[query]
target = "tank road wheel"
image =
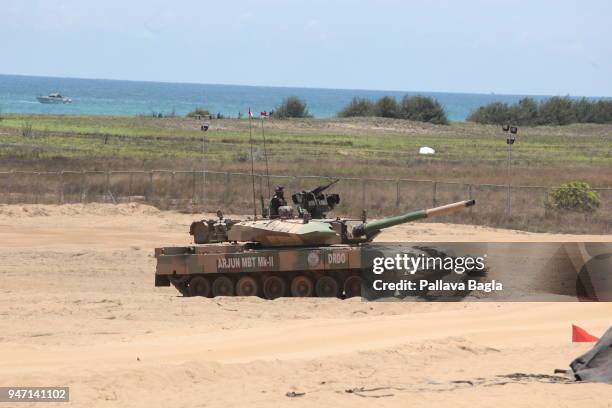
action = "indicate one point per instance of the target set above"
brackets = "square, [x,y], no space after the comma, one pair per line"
[352,286]
[199,286]
[274,287]
[301,286]
[247,286]
[223,286]
[327,287]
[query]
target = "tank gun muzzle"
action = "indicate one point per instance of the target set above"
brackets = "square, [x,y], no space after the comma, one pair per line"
[370,228]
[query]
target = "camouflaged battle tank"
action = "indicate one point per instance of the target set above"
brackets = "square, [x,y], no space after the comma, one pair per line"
[288,256]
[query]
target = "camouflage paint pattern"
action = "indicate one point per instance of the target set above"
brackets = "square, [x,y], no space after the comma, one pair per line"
[206,259]
[291,248]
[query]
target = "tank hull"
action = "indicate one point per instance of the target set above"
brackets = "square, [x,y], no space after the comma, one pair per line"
[229,269]
[179,266]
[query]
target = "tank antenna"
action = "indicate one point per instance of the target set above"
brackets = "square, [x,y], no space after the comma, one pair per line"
[263,135]
[252,164]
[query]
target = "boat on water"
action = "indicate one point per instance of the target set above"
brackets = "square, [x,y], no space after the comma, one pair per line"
[53,98]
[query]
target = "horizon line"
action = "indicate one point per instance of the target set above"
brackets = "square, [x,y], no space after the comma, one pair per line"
[305,87]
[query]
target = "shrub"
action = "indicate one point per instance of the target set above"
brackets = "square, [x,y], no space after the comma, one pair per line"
[292,107]
[423,109]
[525,113]
[26,129]
[557,111]
[387,107]
[494,113]
[553,111]
[603,111]
[583,111]
[242,157]
[575,196]
[417,108]
[198,112]
[358,107]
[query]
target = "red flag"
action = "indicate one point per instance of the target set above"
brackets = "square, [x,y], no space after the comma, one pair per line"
[579,335]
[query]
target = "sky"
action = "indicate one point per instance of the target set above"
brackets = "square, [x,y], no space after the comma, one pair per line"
[537,47]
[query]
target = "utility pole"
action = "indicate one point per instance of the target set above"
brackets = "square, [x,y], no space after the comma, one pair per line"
[511,132]
[204,128]
[252,163]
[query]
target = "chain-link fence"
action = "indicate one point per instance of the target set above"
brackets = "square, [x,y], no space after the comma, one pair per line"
[233,192]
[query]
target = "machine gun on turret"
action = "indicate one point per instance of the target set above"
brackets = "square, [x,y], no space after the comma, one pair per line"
[315,202]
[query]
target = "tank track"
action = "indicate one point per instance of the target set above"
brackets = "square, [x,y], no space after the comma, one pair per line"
[341,284]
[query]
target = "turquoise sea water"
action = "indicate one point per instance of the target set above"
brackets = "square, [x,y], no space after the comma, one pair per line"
[110,97]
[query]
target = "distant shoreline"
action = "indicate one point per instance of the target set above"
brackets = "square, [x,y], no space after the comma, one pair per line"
[126,98]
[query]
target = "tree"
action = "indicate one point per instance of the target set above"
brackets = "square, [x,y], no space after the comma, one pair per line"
[292,107]
[557,111]
[358,107]
[495,113]
[526,112]
[423,109]
[387,107]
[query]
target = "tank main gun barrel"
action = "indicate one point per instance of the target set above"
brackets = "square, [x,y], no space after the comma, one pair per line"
[369,228]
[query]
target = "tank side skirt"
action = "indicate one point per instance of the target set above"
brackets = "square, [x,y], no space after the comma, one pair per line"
[319,260]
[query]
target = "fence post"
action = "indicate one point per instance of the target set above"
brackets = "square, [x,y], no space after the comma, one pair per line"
[397,194]
[470,197]
[204,189]
[193,187]
[107,184]
[9,186]
[150,197]
[228,188]
[37,187]
[363,194]
[60,195]
[131,186]
[83,186]
[435,192]
[172,190]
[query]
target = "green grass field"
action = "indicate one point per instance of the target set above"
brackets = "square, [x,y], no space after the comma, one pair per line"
[349,147]
[468,154]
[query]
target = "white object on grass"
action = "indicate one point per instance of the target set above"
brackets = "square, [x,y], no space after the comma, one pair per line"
[426,150]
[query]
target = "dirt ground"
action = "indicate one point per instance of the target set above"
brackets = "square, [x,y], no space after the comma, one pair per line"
[78,308]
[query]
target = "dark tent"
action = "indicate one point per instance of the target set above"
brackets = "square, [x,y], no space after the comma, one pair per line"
[595,365]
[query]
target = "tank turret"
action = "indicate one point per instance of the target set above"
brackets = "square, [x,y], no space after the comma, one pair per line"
[306,231]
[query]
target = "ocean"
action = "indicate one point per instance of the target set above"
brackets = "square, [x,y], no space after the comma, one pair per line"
[129,98]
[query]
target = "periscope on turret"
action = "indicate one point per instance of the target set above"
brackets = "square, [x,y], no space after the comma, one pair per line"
[287,256]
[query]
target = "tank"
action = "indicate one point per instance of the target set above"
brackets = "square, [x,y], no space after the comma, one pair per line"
[298,257]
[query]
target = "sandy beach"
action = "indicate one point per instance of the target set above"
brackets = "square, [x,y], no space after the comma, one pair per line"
[79,309]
